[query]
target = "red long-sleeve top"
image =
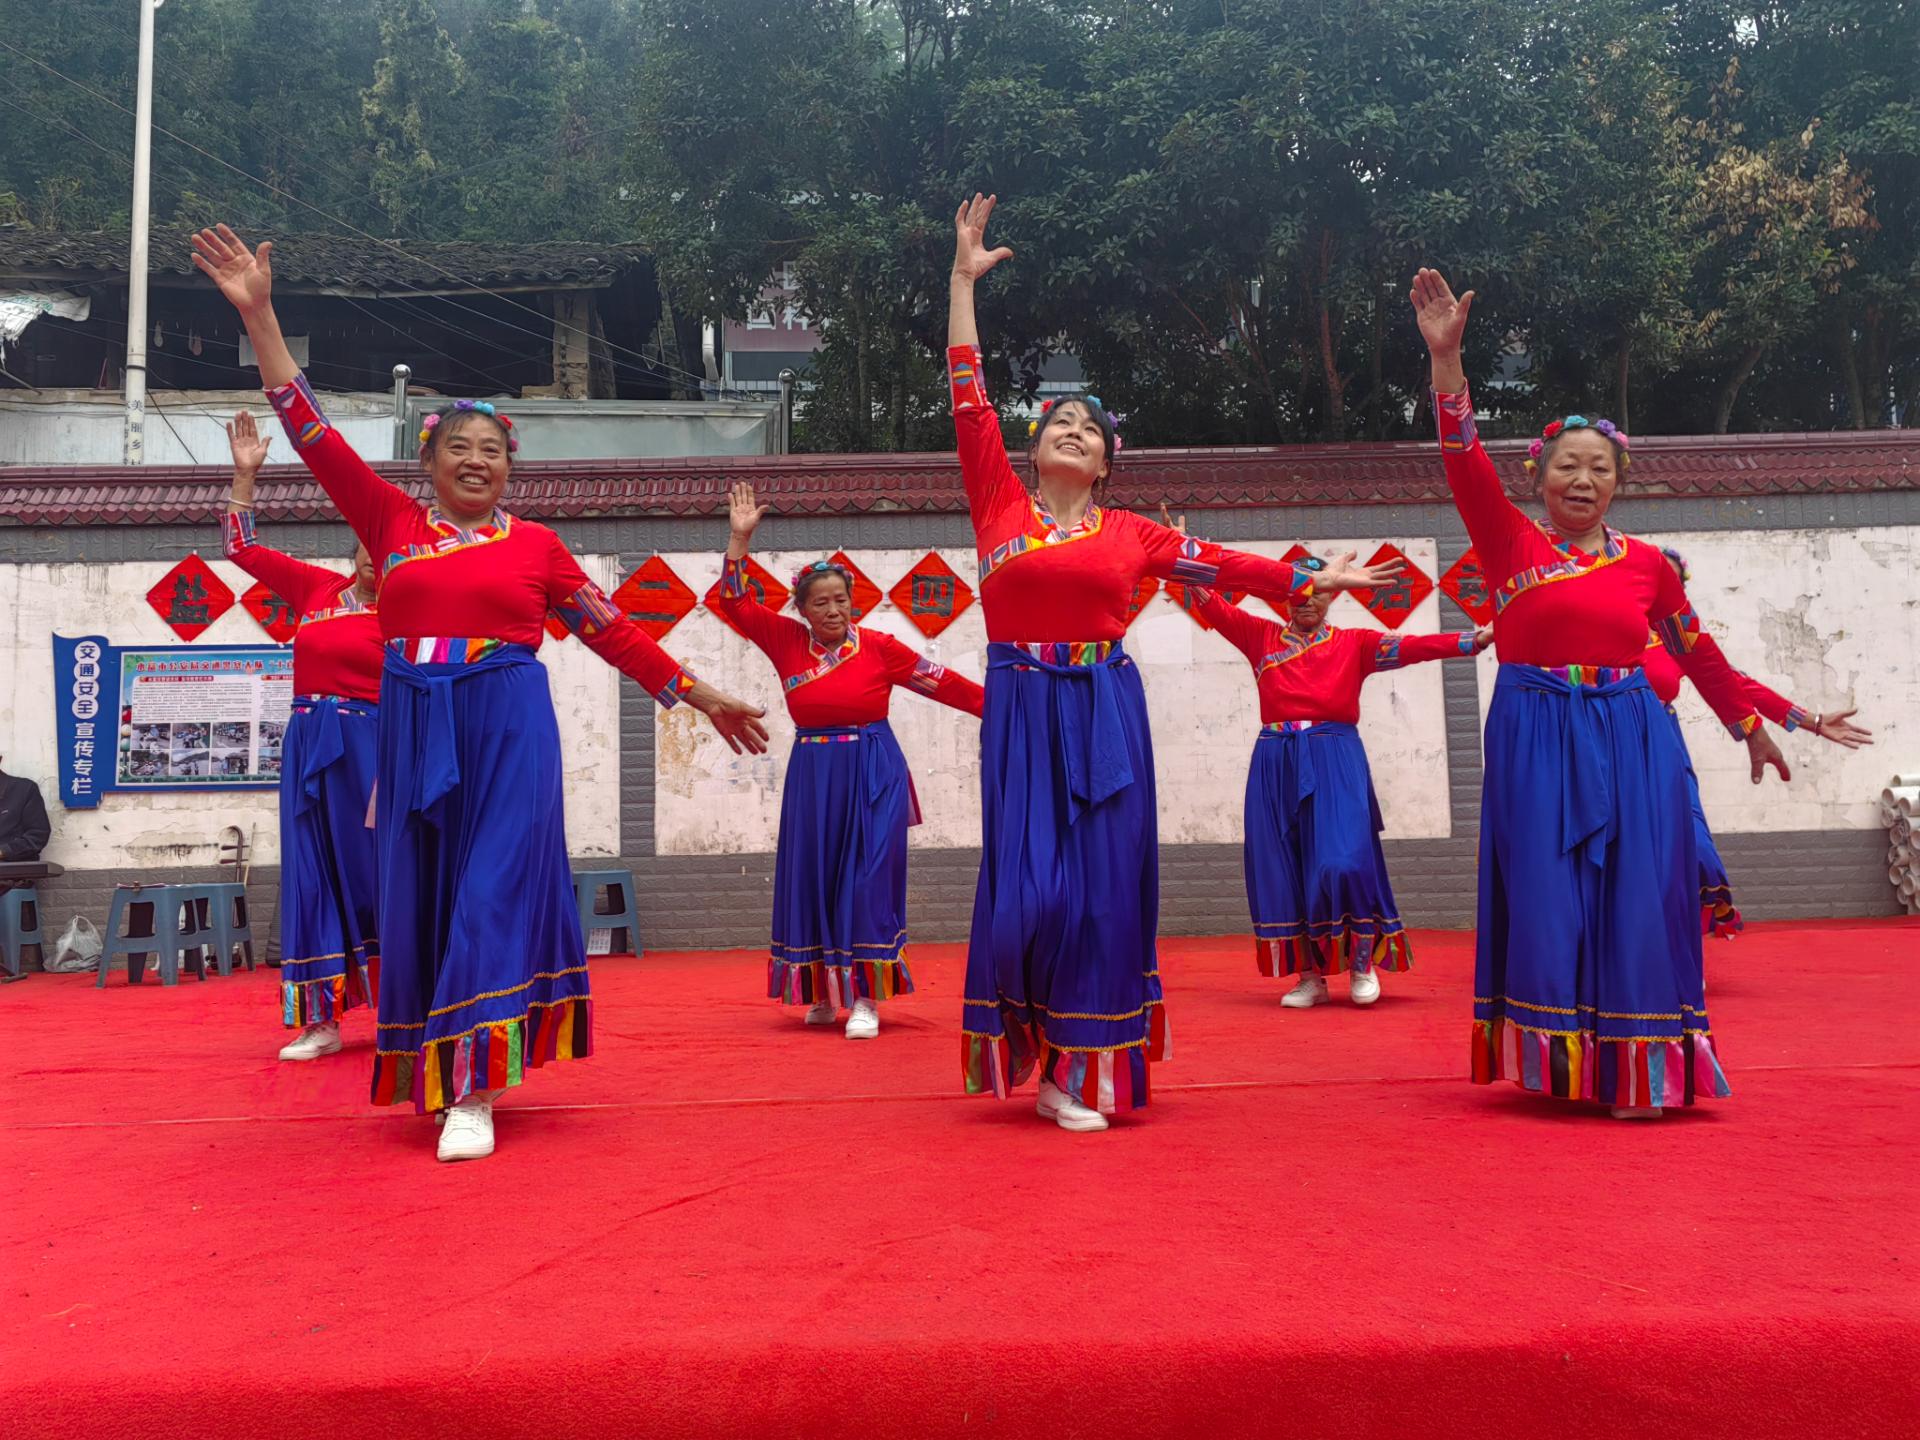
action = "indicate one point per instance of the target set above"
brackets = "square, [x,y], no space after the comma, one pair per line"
[850,685]
[1665,675]
[337,646]
[1041,581]
[1318,677]
[497,580]
[1556,605]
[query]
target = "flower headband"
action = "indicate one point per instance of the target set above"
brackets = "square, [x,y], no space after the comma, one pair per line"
[1578,422]
[817,568]
[482,407]
[1113,420]
[1679,560]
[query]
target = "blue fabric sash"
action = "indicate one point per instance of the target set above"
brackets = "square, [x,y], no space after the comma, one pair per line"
[1588,820]
[1094,739]
[437,771]
[1300,777]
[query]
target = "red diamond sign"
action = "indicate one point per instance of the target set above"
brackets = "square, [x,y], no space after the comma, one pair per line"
[190,597]
[866,594]
[654,598]
[931,595]
[275,615]
[767,590]
[1183,597]
[1466,582]
[1391,604]
[1142,593]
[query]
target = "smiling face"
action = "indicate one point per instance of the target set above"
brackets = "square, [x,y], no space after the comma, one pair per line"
[1578,476]
[1070,448]
[469,461]
[827,606]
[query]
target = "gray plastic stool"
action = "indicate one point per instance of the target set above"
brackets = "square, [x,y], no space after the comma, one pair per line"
[224,913]
[174,930]
[621,917]
[20,928]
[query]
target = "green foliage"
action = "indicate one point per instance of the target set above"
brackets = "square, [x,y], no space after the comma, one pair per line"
[1692,216]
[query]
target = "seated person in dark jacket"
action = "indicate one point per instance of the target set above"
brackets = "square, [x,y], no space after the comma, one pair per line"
[24,830]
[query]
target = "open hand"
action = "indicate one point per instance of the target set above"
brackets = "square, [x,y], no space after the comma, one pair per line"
[1443,319]
[1167,519]
[737,721]
[1344,574]
[244,276]
[743,514]
[1763,752]
[971,258]
[248,445]
[1839,728]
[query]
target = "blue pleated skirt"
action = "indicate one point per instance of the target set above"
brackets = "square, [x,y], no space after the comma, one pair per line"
[1587,981]
[1316,875]
[1061,966]
[484,969]
[329,946]
[840,876]
[1718,916]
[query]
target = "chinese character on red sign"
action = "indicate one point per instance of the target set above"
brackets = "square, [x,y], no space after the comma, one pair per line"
[767,590]
[866,594]
[1142,593]
[275,615]
[931,595]
[1391,604]
[191,597]
[1183,597]
[1467,584]
[654,598]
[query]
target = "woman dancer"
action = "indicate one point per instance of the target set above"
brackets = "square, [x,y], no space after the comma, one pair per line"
[1718,916]
[840,875]
[329,950]
[1316,876]
[1588,975]
[483,967]
[1060,963]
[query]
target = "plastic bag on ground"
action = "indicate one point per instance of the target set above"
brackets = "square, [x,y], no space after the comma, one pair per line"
[79,948]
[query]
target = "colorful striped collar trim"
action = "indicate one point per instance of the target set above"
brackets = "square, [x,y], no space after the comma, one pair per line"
[827,660]
[1293,645]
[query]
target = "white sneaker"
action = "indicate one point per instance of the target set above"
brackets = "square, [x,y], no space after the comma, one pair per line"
[468,1133]
[1311,991]
[1636,1112]
[864,1022]
[313,1042]
[1366,987]
[822,1012]
[1067,1112]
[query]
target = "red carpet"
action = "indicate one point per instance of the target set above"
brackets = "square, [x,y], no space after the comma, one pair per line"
[724,1223]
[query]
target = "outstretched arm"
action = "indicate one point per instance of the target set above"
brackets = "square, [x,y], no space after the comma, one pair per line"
[1701,660]
[294,581]
[908,667]
[1251,635]
[1172,555]
[1396,652]
[1492,519]
[245,277]
[991,484]
[583,607]
[1836,726]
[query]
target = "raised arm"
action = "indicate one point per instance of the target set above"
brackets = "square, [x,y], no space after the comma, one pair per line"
[294,581]
[1396,652]
[909,668]
[772,633]
[1699,656]
[583,607]
[369,504]
[991,484]
[1492,520]
[1252,636]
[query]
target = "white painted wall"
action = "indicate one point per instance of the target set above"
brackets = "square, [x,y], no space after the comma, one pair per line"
[132,830]
[1829,618]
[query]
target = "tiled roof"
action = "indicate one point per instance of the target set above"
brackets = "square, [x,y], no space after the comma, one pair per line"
[1713,467]
[330,261]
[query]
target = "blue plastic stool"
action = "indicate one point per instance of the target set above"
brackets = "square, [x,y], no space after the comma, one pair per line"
[19,928]
[223,912]
[174,929]
[621,917]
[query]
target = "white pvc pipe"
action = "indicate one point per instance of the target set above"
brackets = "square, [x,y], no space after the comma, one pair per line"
[1898,800]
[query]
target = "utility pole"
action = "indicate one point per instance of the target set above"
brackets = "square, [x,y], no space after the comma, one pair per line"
[134,449]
